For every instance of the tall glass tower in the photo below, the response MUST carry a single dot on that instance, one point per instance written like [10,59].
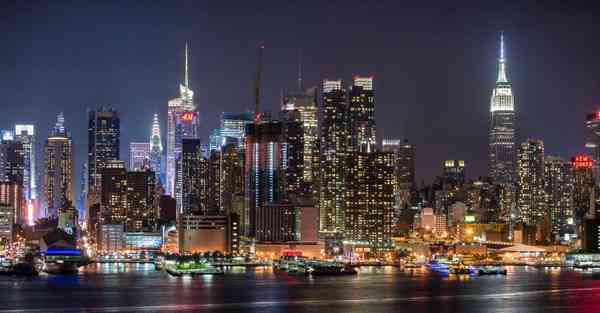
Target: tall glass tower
[502,125]
[182,124]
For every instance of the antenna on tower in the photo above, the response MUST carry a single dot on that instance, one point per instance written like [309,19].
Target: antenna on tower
[501,46]
[186,78]
[258,82]
[300,70]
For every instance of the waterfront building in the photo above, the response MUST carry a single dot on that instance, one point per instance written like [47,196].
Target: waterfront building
[58,179]
[128,198]
[502,126]
[558,185]
[333,153]
[583,186]
[25,134]
[182,123]
[156,151]
[531,197]
[370,198]
[208,233]
[12,168]
[139,156]
[361,117]
[111,238]
[264,169]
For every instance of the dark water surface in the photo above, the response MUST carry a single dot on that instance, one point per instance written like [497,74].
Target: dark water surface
[139,288]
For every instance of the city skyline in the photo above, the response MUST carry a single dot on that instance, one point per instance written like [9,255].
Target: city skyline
[210,72]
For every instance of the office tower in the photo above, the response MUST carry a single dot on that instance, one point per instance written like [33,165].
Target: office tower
[531,197]
[592,143]
[404,170]
[301,106]
[26,136]
[370,198]
[104,133]
[58,168]
[454,172]
[12,170]
[156,151]
[128,198]
[558,184]
[502,126]
[192,175]
[334,144]
[264,169]
[11,195]
[139,156]
[232,178]
[293,159]
[583,185]
[361,120]
[182,123]
[232,130]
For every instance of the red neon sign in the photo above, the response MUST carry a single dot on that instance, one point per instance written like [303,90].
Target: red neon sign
[188,116]
[582,162]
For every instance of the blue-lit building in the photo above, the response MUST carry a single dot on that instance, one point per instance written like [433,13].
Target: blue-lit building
[232,130]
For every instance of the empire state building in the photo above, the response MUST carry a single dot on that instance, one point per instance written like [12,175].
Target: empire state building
[502,126]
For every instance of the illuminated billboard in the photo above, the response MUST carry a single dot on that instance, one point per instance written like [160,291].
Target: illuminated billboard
[143,241]
[582,162]
[188,116]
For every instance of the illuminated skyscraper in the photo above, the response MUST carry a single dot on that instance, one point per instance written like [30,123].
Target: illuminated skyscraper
[58,168]
[531,197]
[362,114]
[26,136]
[156,150]
[232,130]
[12,168]
[264,170]
[558,184]
[583,185]
[139,156]
[370,198]
[182,124]
[334,145]
[502,126]
[301,106]
[592,143]
[192,177]
[104,134]
[454,172]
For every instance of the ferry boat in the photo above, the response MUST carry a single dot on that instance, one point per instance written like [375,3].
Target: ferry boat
[491,270]
[193,268]
[329,269]
[460,269]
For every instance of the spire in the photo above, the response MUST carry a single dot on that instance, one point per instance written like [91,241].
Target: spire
[155,142]
[187,78]
[59,127]
[258,81]
[502,77]
[300,70]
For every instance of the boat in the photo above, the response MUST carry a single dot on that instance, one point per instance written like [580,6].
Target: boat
[491,270]
[329,269]
[460,269]
[23,268]
[193,268]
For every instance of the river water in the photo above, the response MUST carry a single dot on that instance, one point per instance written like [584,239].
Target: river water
[139,288]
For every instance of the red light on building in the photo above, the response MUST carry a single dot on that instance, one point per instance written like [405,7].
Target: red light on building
[291,253]
[582,162]
[598,115]
[188,116]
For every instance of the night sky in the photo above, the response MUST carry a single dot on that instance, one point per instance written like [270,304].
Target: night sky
[434,64]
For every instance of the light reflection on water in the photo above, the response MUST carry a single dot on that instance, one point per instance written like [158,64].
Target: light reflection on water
[139,287]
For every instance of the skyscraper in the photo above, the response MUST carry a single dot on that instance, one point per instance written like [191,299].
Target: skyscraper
[334,144]
[531,197]
[192,176]
[104,134]
[454,172]
[232,130]
[370,198]
[182,124]
[558,184]
[301,106]
[362,114]
[26,136]
[139,156]
[156,150]
[58,168]
[264,169]
[592,143]
[583,185]
[502,126]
